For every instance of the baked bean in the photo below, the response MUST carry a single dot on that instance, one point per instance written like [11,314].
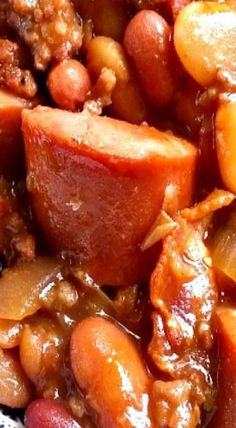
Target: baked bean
[225,144]
[209,48]
[109,17]
[68,84]
[44,413]
[10,333]
[41,350]
[108,367]
[127,101]
[15,389]
[147,41]
[106,52]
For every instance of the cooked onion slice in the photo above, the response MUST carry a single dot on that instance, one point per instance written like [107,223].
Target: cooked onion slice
[21,287]
[162,226]
[224,250]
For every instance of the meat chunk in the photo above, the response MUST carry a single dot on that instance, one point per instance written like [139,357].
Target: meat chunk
[214,201]
[97,193]
[184,294]
[13,76]
[172,400]
[51,29]
[15,239]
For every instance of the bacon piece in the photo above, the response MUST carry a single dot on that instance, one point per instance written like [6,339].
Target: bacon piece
[184,295]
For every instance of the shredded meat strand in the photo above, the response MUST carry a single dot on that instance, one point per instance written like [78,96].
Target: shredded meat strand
[181,285]
[215,201]
[174,407]
[101,93]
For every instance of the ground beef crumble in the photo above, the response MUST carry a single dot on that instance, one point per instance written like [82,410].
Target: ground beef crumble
[52,29]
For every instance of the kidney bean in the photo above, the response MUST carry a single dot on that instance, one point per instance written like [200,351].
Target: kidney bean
[68,83]
[108,367]
[41,352]
[44,413]
[147,41]
[106,52]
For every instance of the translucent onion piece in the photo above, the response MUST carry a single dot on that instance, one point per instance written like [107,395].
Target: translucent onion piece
[10,334]
[224,251]
[163,225]
[22,285]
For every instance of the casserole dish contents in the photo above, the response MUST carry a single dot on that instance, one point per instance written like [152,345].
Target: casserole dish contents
[117,213]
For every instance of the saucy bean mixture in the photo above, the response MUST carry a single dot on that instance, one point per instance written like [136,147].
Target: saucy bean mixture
[118,213]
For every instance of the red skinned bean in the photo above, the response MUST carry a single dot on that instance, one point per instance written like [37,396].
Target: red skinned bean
[108,367]
[147,41]
[44,413]
[68,84]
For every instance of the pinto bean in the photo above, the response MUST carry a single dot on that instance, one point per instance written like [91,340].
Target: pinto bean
[108,367]
[68,83]
[147,41]
[15,389]
[106,52]
[109,17]
[128,103]
[127,100]
[42,349]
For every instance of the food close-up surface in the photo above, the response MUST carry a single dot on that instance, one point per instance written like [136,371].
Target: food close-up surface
[117,214]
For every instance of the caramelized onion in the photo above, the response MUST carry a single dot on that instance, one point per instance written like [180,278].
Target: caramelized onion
[163,225]
[22,286]
[224,251]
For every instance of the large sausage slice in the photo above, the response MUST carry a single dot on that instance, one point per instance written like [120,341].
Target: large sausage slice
[11,147]
[97,185]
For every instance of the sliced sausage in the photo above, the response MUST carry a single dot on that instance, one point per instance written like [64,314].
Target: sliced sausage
[97,185]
